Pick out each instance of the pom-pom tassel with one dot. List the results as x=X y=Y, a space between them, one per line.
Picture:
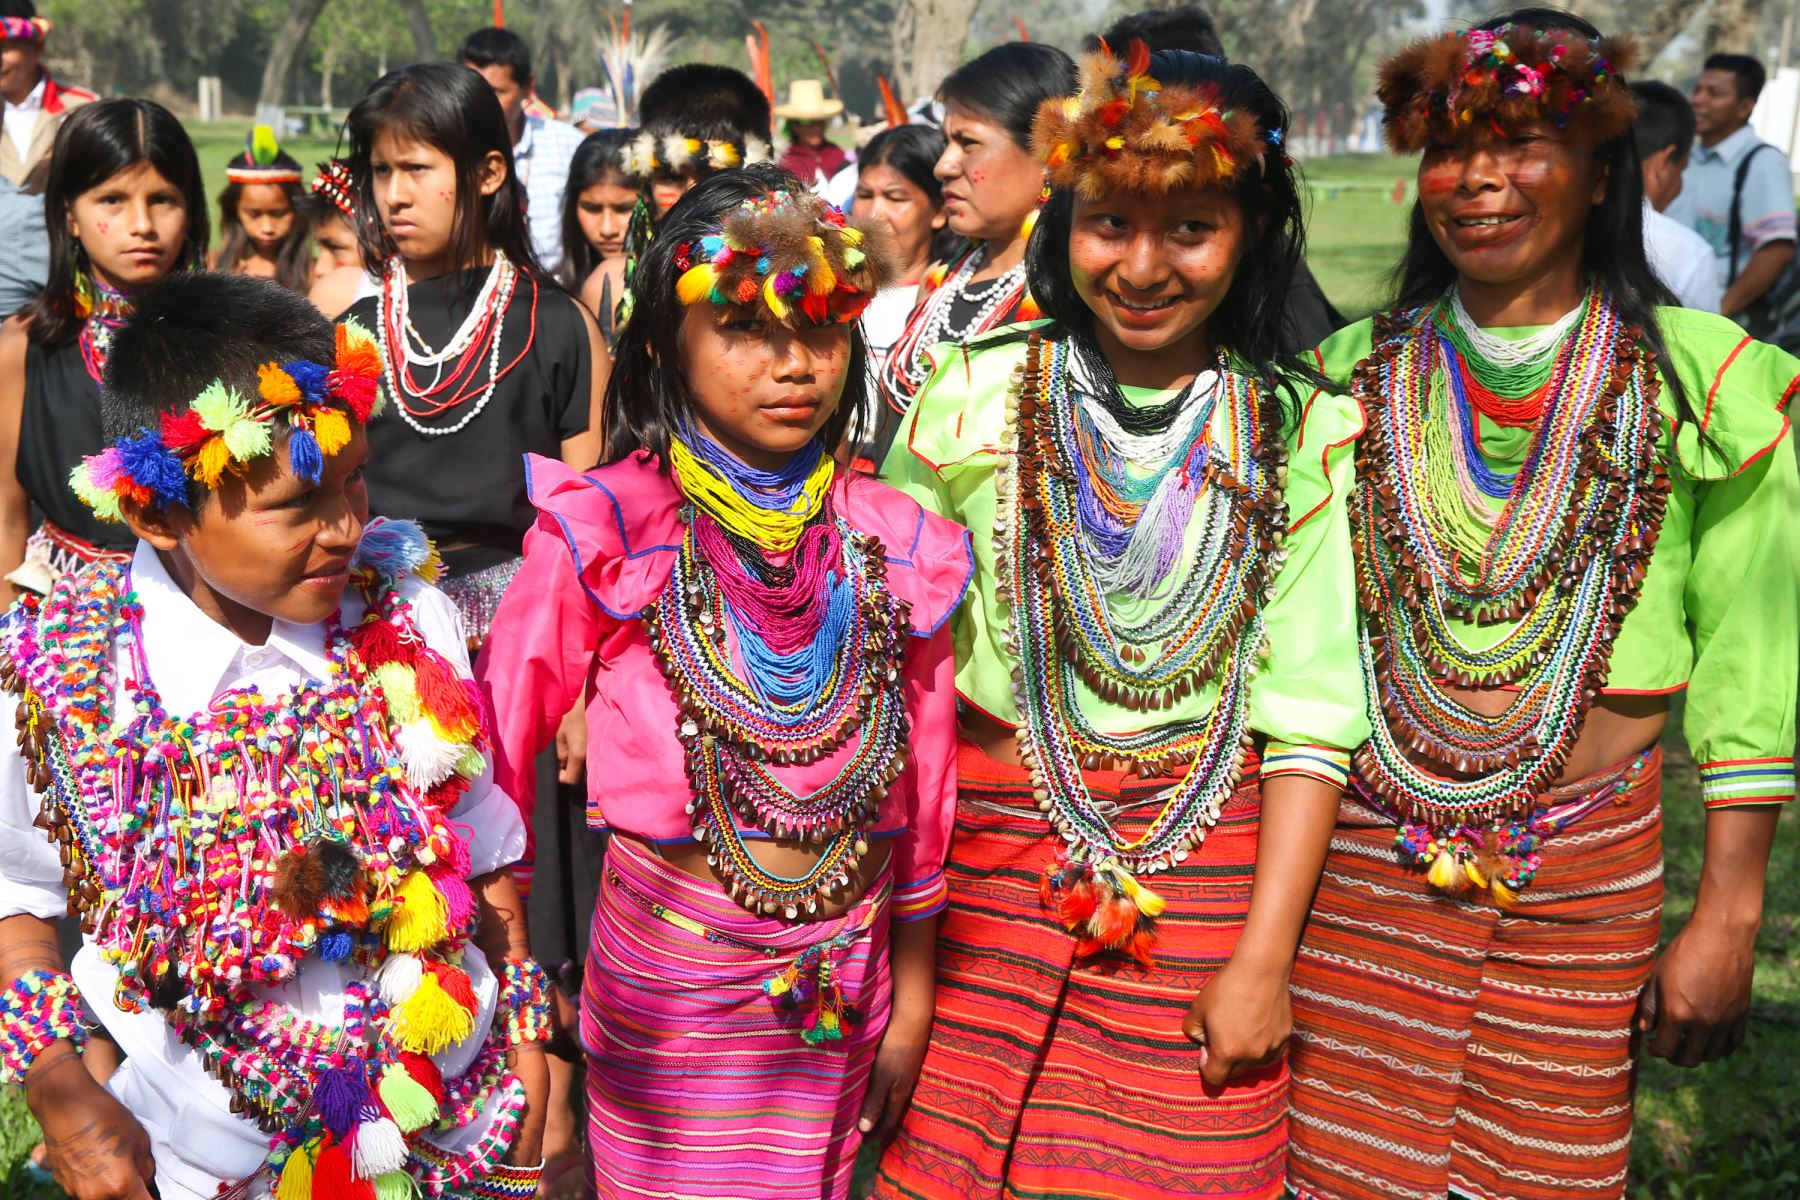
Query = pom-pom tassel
x=399 y=978
x=407 y=1100
x=334 y=1178
x=296 y=1180
x=378 y=1148
x=459 y=901
x=420 y=918
x=304 y=456
x=396 y=1185
x=425 y=1073
x=339 y=1097
x=431 y=1020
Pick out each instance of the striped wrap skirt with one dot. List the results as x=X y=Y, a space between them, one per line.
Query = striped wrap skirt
x=1047 y=1076
x=699 y=1085
x=1447 y=1046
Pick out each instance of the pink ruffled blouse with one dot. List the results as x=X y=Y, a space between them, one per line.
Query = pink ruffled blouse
x=600 y=552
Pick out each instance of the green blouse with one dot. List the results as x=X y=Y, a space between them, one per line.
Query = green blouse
x=1306 y=700
x=1719 y=613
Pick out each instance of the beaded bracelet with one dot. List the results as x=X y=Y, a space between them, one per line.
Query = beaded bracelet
x=525 y=1003
x=502 y=1183
x=38 y=1010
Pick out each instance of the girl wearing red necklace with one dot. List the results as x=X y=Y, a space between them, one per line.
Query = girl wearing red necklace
x=124 y=208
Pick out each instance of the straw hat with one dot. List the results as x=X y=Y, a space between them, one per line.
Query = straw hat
x=806 y=101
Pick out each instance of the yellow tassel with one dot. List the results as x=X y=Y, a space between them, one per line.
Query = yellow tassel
x=1149 y=904
x=777 y=309
x=420 y=918
x=1504 y=896
x=696 y=284
x=331 y=429
x=1474 y=874
x=210 y=463
x=430 y=1020
x=1442 y=872
x=297 y=1173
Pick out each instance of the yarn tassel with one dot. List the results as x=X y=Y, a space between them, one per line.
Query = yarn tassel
x=379 y=1147
x=396 y=1185
x=428 y=756
x=339 y=1097
x=425 y=1073
x=407 y=1100
x=459 y=901
x=399 y=978
x=431 y=1020
x=420 y=918
x=296 y=1182
x=456 y=984
x=334 y=1178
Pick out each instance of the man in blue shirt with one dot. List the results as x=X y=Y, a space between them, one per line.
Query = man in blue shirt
x=1731 y=161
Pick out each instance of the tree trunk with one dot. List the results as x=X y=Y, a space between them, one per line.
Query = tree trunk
x=1731 y=26
x=419 y=22
x=283 y=50
x=928 y=43
x=1664 y=25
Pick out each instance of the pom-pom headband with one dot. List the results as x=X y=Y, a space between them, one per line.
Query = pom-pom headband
x=24 y=29
x=647 y=153
x=222 y=430
x=334 y=184
x=1126 y=132
x=1488 y=82
x=791 y=255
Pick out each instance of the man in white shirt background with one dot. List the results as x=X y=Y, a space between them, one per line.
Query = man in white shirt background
x=542 y=147
x=1681 y=258
x=35 y=103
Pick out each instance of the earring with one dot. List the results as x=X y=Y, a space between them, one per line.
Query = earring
x=84 y=283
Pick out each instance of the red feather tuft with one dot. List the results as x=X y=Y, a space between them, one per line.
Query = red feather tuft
x=1114 y=922
x=1078 y=904
x=1137 y=60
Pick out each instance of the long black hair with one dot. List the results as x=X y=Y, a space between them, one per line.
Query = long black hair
x=913 y=151
x=648 y=397
x=449 y=107
x=599 y=159
x=1252 y=320
x=96 y=142
x=1007 y=83
x=293 y=261
x=1612 y=243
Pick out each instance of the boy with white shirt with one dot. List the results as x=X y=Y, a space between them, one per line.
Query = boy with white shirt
x=1681 y=258
x=263 y=773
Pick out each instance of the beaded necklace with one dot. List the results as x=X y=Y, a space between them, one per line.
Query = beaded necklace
x=107 y=310
x=210 y=855
x=908 y=365
x=822 y=642
x=454 y=382
x=1067 y=628
x=1562 y=563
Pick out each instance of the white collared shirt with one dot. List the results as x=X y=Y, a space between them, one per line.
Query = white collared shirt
x=197 y=1141
x=542 y=157
x=1683 y=260
x=22 y=118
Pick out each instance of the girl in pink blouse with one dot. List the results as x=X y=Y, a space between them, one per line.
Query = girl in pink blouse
x=763 y=643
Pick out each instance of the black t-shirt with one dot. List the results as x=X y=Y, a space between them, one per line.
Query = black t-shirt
x=468 y=487
x=58 y=427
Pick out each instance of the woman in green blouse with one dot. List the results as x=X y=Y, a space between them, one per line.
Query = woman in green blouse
x=1159 y=678
x=1571 y=503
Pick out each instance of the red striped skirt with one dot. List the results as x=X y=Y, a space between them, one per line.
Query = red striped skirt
x=1444 y=1045
x=1052 y=1077
x=697 y=1084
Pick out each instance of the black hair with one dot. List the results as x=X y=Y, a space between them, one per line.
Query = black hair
x=497 y=47
x=190 y=330
x=450 y=107
x=293 y=261
x=18 y=8
x=1612 y=244
x=705 y=101
x=1748 y=71
x=646 y=400
x=599 y=159
x=1187 y=27
x=1664 y=119
x=1252 y=320
x=1008 y=83
x=96 y=142
x=913 y=151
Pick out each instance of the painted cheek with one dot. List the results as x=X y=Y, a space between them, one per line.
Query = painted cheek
x=1438 y=181
x=101 y=227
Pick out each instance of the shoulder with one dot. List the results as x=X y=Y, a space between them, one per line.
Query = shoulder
x=366 y=310
x=1338 y=354
x=563 y=136
x=563 y=318
x=931 y=559
x=1737 y=387
x=71 y=96
x=335 y=293
x=619 y=525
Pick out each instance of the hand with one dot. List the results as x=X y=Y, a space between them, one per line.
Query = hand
x=571 y=745
x=1242 y=1020
x=891 y=1081
x=1695 y=1006
x=95 y=1148
x=529 y=1062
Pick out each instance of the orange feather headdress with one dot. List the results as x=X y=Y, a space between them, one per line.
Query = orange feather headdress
x=1125 y=132
x=1487 y=82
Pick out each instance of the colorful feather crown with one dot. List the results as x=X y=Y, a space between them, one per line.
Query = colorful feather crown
x=1488 y=82
x=24 y=29
x=1125 y=132
x=262 y=161
x=648 y=153
x=222 y=430
x=792 y=256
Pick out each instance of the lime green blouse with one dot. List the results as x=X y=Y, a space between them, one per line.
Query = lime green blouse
x=1719 y=613
x=1306 y=700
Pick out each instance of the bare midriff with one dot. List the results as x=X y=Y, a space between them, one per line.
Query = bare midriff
x=778 y=856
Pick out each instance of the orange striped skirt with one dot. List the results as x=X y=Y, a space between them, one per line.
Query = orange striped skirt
x=1444 y=1046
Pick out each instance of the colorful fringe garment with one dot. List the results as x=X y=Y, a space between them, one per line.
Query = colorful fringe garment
x=712 y=1069
x=1445 y=1045
x=1046 y=1077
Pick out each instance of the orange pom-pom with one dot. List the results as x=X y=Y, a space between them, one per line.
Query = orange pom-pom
x=276 y=386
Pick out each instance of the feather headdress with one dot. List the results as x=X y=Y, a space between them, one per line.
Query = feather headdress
x=1126 y=132
x=647 y=153
x=790 y=254
x=1487 y=82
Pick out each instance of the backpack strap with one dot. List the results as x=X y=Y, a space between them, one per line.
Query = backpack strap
x=1737 y=199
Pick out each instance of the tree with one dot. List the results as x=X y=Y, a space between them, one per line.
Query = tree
x=929 y=36
x=279 y=66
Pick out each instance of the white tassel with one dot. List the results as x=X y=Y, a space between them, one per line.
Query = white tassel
x=379 y=1148
x=429 y=758
x=399 y=977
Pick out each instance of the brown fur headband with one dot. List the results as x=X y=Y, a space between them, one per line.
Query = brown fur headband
x=1126 y=132
x=1486 y=83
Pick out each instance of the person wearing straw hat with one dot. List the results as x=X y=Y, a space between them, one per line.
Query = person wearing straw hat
x=807 y=111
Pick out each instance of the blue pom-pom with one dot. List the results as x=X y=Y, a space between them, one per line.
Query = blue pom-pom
x=392 y=549
x=304 y=456
x=148 y=462
x=309 y=377
x=335 y=946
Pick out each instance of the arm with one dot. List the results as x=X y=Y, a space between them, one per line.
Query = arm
x=913 y=957
x=336 y=292
x=1757 y=277
x=583 y=450
x=15 y=506
x=502 y=937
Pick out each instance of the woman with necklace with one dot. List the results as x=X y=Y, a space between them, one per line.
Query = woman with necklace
x=991 y=186
x=487 y=359
x=1156 y=664
x=762 y=641
x=1571 y=503
x=124 y=208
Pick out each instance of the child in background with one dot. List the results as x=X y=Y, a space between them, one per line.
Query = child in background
x=762 y=643
x=259 y=216
x=601 y=207
x=289 y=860
x=339 y=278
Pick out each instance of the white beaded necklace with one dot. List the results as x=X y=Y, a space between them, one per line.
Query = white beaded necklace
x=415 y=351
x=1149 y=451
x=941 y=303
x=1503 y=352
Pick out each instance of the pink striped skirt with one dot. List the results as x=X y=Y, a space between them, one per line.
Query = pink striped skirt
x=699 y=1082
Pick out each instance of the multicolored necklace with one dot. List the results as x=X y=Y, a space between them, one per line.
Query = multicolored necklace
x=1066 y=505
x=455 y=381
x=821 y=641
x=1562 y=561
x=908 y=364
x=103 y=309
x=210 y=855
